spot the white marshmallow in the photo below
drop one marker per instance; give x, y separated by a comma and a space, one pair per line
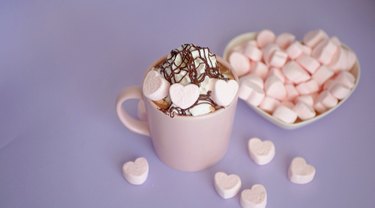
240, 63
295, 73
306, 50
260, 69
265, 37
284, 40
307, 99
275, 88
278, 59
227, 186
262, 152
224, 92
269, 104
184, 96
319, 107
256, 97
308, 87
253, 52
300, 172
327, 99
136, 172
285, 114
322, 74
294, 50
256, 197
252, 78
246, 86
155, 87
313, 37
345, 78
340, 91
325, 51
268, 51
291, 91
308, 63
304, 111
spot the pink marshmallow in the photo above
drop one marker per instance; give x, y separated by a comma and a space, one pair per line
345, 78
277, 72
312, 38
291, 91
294, 50
336, 41
338, 61
259, 69
265, 37
308, 87
319, 107
322, 74
307, 99
295, 73
327, 99
285, 114
306, 50
252, 52
308, 63
340, 91
268, 50
304, 111
325, 51
275, 88
269, 104
352, 59
256, 97
252, 78
284, 40
278, 58
246, 87
240, 63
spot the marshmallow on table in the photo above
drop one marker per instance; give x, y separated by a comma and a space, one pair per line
155, 87
295, 73
252, 52
227, 186
262, 152
256, 197
294, 50
269, 104
275, 88
313, 37
308, 63
259, 69
308, 87
136, 172
284, 40
265, 37
322, 74
307, 99
240, 63
304, 111
278, 59
285, 114
327, 99
300, 172
325, 51
291, 91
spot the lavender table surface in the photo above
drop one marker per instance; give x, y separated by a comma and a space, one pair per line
62, 64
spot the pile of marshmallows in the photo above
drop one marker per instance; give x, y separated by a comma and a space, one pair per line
228, 185
292, 80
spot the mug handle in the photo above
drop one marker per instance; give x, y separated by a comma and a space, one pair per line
135, 125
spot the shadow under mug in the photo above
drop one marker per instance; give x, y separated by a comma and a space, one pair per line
187, 143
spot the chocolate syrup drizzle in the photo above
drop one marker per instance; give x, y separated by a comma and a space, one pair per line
170, 70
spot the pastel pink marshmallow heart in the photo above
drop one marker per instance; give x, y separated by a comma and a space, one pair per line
184, 96
262, 152
155, 87
300, 172
227, 186
256, 197
224, 92
136, 172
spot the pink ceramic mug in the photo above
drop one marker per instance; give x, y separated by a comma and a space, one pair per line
185, 143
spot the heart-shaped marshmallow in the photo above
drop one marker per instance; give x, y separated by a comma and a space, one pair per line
262, 152
155, 87
300, 172
224, 92
136, 172
256, 197
227, 186
184, 96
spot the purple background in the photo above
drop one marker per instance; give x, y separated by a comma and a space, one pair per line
62, 64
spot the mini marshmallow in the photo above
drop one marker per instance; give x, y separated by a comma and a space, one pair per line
325, 51
287, 103
284, 40
278, 58
304, 111
260, 69
291, 91
308, 87
340, 91
227, 186
256, 97
136, 172
275, 88
312, 38
262, 152
277, 72
224, 92
155, 87
269, 50
319, 107
240, 63
307, 99
322, 74
265, 37
308, 63
247, 84
295, 73
352, 58
338, 61
294, 50
285, 114
252, 78
269, 104
327, 99
256, 197
300, 172
306, 50
336, 41
345, 78
253, 52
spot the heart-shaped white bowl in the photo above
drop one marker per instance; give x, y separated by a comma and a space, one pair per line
240, 39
